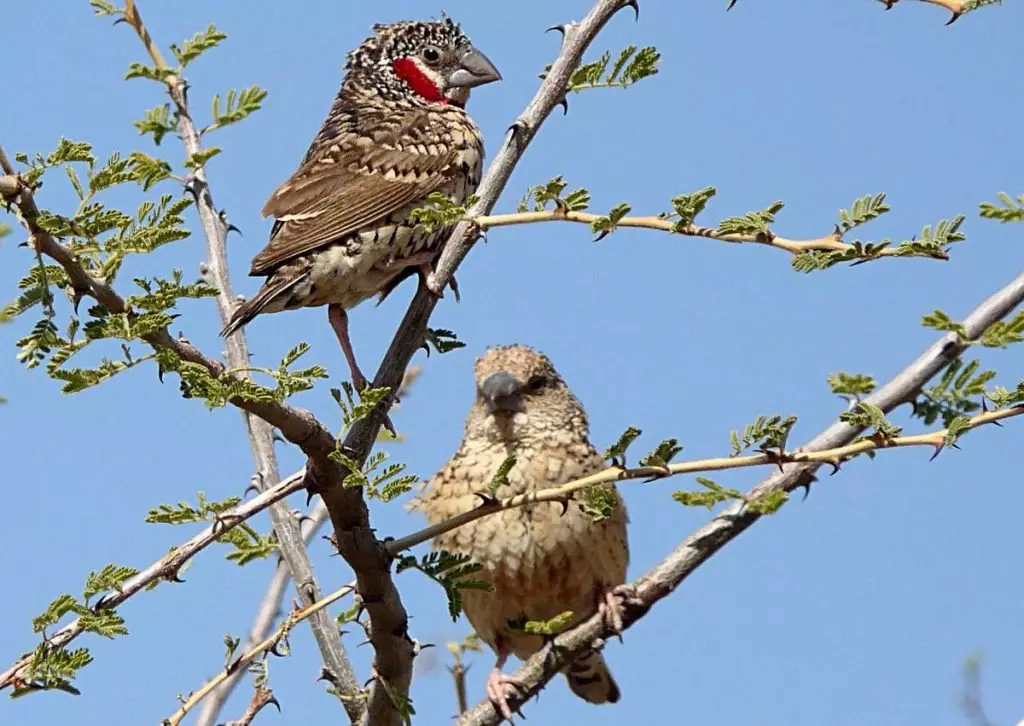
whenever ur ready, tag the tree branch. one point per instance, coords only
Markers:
(292, 546)
(266, 615)
(261, 698)
(166, 568)
(240, 663)
(835, 457)
(661, 580)
(829, 243)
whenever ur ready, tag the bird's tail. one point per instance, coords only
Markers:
(590, 679)
(271, 292)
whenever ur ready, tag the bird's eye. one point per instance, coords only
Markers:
(431, 54)
(537, 382)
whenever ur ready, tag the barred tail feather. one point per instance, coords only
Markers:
(271, 292)
(590, 679)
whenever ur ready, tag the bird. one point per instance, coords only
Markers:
(397, 132)
(542, 559)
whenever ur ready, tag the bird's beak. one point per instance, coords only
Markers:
(502, 393)
(474, 70)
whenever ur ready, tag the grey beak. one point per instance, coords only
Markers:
(474, 70)
(502, 393)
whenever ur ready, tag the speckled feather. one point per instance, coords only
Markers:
(342, 233)
(540, 561)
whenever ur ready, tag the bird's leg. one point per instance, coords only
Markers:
(611, 605)
(498, 683)
(339, 321)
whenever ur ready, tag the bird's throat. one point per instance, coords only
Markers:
(421, 84)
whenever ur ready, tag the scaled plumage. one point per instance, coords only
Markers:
(397, 132)
(540, 559)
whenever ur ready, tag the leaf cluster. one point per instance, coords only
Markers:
(451, 571)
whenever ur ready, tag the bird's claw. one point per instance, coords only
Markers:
(497, 692)
(612, 605)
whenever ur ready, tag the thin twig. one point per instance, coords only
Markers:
(241, 662)
(829, 243)
(261, 698)
(662, 579)
(261, 438)
(266, 615)
(166, 568)
(835, 456)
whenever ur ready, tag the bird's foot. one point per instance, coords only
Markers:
(498, 685)
(612, 605)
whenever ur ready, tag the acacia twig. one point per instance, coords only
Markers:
(261, 698)
(829, 243)
(662, 579)
(241, 662)
(166, 568)
(835, 456)
(261, 439)
(266, 615)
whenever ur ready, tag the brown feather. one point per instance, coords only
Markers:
(353, 190)
(251, 308)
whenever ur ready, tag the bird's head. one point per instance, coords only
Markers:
(521, 397)
(424, 61)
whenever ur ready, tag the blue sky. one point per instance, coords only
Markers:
(857, 606)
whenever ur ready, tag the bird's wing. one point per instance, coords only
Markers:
(352, 180)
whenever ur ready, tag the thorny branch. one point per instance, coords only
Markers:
(270, 604)
(829, 243)
(662, 579)
(215, 230)
(166, 568)
(261, 698)
(267, 645)
(957, 8)
(835, 457)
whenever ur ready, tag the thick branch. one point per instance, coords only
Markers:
(829, 243)
(167, 567)
(661, 580)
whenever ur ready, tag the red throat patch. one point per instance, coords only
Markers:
(419, 82)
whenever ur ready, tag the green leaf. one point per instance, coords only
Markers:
(1009, 209)
(940, 321)
(539, 197)
(957, 428)
(604, 226)
(230, 646)
(185, 513)
(617, 451)
(751, 223)
(554, 626)
(715, 494)
(152, 73)
(958, 392)
(686, 207)
(197, 45)
(598, 501)
(767, 432)
(53, 669)
(451, 571)
(237, 106)
(663, 454)
(769, 503)
(935, 243)
(630, 66)
(55, 611)
(851, 384)
(500, 478)
(869, 416)
(201, 157)
(443, 340)
(863, 210)
(109, 578)
(158, 121)
(148, 171)
(1003, 333)
(440, 211)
